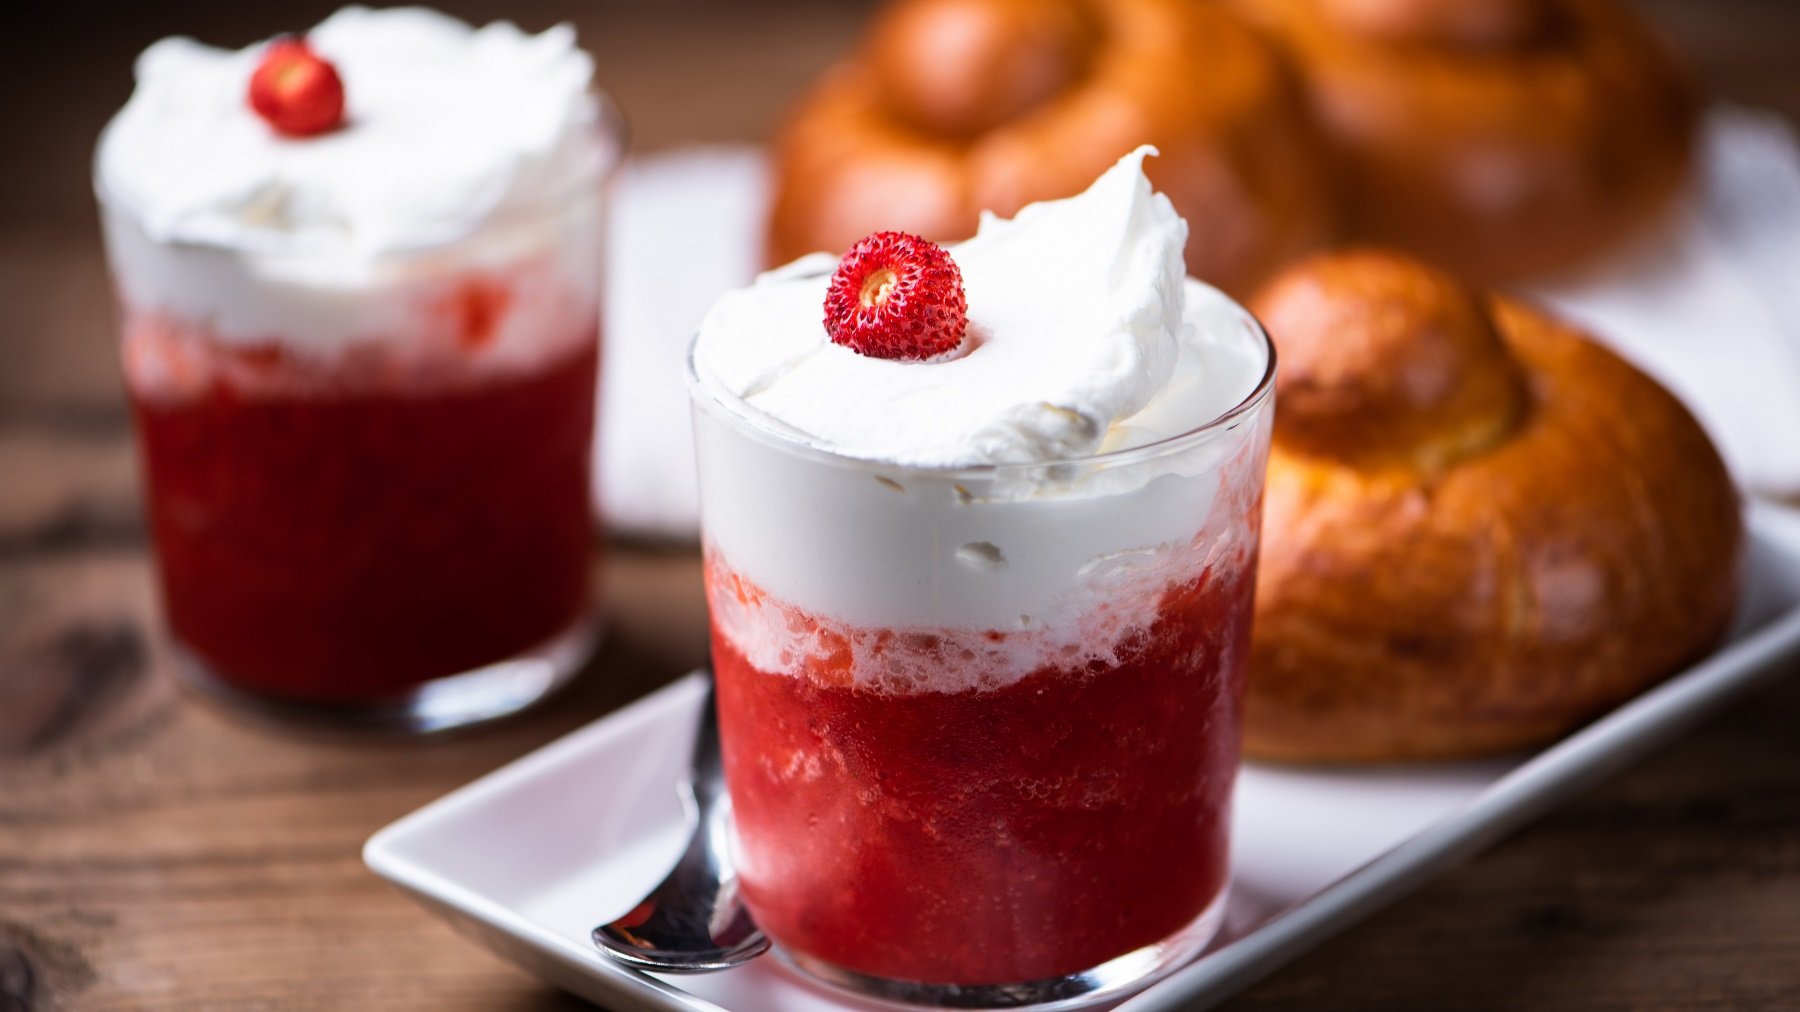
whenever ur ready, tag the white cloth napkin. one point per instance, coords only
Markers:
(1709, 304)
(685, 227)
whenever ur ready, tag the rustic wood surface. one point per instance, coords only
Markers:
(155, 854)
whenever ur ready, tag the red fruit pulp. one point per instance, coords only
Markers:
(347, 546)
(986, 837)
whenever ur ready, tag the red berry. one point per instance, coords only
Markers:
(296, 91)
(897, 296)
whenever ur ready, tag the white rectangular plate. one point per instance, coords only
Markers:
(529, 858)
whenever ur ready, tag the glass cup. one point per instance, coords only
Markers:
(367, 478)
(980, 726)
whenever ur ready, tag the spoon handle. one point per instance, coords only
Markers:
(694, 921)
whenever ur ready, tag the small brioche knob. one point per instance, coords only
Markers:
(962, 67)
(1386, 363)
(1469, 24)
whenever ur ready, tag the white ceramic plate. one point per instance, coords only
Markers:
(529, 858)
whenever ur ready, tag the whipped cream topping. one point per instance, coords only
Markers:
(1084, 335)
(446, 127)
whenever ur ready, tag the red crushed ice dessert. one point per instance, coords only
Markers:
(986, 837)
(337, 534)
(897, 296)
(362, 359)
(296, 91)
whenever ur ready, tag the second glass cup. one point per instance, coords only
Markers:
(366, 472)
(980, 726)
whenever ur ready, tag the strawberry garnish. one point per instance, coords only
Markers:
(297, 91)
(897, 296)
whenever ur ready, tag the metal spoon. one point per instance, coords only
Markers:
(694, 922)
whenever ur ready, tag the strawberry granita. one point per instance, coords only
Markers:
(342, 534)
(359, 273)
(980, 527)
(1004, 801)
(1023, 832)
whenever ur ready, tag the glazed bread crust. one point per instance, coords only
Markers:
(955, 106)
(1482, 528)
(1502, 138)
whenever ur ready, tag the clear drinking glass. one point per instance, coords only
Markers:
(980, 726)
(367, 482)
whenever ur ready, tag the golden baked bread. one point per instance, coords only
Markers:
(1481, 528)
(1501, 138)
(955, 106)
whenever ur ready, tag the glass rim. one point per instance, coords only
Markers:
(610, 126)
(765, 430)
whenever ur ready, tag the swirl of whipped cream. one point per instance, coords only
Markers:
(1085, 336)
(447, 126)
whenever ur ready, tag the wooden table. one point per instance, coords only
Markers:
(157, 854)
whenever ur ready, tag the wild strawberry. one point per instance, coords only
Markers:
(296, 91)
(897, 296)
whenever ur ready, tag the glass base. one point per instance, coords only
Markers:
(461, 700)
(1110, 979)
